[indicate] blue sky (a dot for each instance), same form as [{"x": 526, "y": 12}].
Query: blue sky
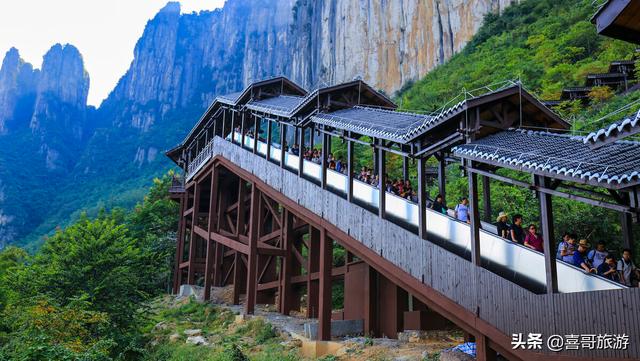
[{"x": 105, "y": 32}]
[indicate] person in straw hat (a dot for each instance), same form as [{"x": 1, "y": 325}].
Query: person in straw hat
[
  {"x": 503, "y": 227},
  {"x": 580, "y": 256}
]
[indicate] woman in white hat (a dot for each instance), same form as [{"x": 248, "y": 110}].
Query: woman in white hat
[{"x": 503, "y": 227}]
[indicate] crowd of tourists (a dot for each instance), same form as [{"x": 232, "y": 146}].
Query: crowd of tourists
[{"x": 570, "y": 248}]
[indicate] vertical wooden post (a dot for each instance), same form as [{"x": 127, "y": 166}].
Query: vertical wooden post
[
  {"x": 474, "y": 215},
  {"x": 350, "y": 170},
  {"x": 180, "y": 243},
  {"x": 546, "y": 225},
  {"x": 256, "y": 134},
  {"x": 233, "y": 125},
  {"x": 300, "y": 151},
  {"x": 192, "y": 241},
  {"x": 627, "y": 220},
  {"x": 252, "y": 263},
  {"x": 224, "y": 121},
  {"x": 326, "y": 263},
  {"x": 313, "y": 265},
  {"x": 243, "y": 130},
  {"x": 370, "y": 302},
  {"x": 486, "y": 198},
  {"x": 219, "y": 248},
  {"x": 483, "y": 351},
  {"x": 627, "y": 230},
  {"x": 268, "y": 139},
  {"x": 442, "y": 176},
  {"x": 237, "y": 277},
  {"x": 312, "y": 137},
  {"x": 210, "y": 260},
  {"x": 286, "y": 289},
  {"x": 422, "y": 199},
  {"x": 283, "y": 142},
  {"x": 405, "y": 167},
  {"x": 325, "y": 154},
  {"x": 382, "y": 169}
]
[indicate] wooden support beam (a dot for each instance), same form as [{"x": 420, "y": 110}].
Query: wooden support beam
[
  {"x": 486, "y": 198},
  {"x": 210, "y": 258},
  {"x": 324, "y": 298},
  {"x": 254, "y": 235},
  {"x": 192, "y": 241},
  {"x": 256, "y": 134},
  {"x": 286, "y": 289},
  {"x": 422, "y": 198},
  {"x": 483, "y": 351},
  {"x": 229, "y": 242},
  {"x": 325, "y": 155},
  {"x": 370, "y": 302},
  {"x": 313, "y": 265},
  {"x": 382, "y": 192},
  {"x": 301, "y": 150},
  {"x": 238, "y": 279},
  {"x": 405, "y": 168},
  {"x": 546, "y": 225},
  {"x": 268, "y": 156},
  {"x": 350, "y": 155},
  {"x": 241, "y": 214},
  {"x": 474, "y": 216},
  {"x": 442, "y": 175},
  {"x": 179, "y": 244},
  {"x": 283, "y": 143}
]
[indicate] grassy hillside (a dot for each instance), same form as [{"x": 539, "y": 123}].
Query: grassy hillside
[{"x": 548, "y": 45}]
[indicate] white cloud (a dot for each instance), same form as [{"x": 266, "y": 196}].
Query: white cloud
[{"x": 105, "y": 32}]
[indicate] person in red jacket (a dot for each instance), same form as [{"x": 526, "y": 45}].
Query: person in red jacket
[{"x": 533, "y": 239}]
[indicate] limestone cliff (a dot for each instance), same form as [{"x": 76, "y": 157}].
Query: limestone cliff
[{"x": 386, "y": 43}]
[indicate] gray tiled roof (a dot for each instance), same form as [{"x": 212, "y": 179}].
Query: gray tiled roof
[
  {"x": 231, "y": 98},
  {"x": 616, "y": 164},
  {"x": 281, "y": 105},
  {"x": 625, "y": 126},
  {"x": 382, "y": 123},
  {"x": 374, "y": 122}
]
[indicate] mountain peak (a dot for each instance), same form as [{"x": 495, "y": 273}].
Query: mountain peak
[
  {"x": 11, "y": 58},
  {"x": 171, "y": 7}
]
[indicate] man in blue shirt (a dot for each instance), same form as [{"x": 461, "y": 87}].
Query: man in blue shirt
[
  {"x": 580, "y": 257},
  {"x": 462, "y": 210}
]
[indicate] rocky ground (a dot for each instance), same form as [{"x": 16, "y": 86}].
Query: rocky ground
[{"x": 191, "y": 325}]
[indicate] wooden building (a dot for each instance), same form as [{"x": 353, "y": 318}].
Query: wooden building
[{"x": 259, "y": 214}]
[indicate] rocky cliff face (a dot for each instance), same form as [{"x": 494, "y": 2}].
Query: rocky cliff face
[
  {"x": 18, "y": 82},
  {"x": 43, "y": 128},
  {"x": 67, "y": 156},
  {"x": 386, "y": 43}
]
